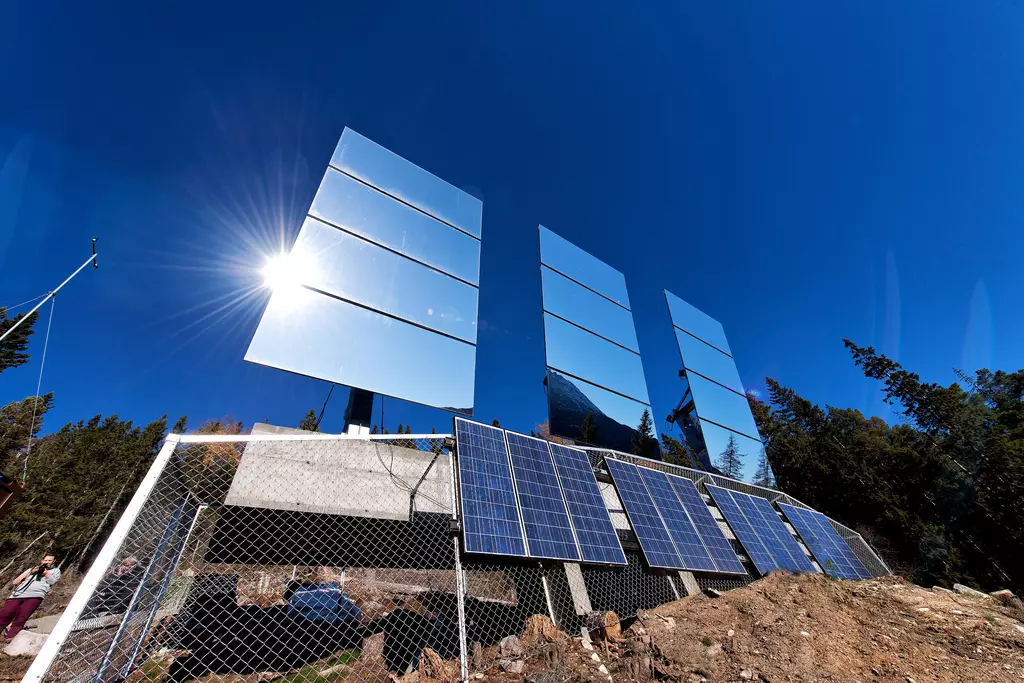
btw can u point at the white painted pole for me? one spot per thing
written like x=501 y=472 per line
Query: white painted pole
x=99 y=567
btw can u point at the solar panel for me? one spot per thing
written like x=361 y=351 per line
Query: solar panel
x=768 y=543
x=549 y=533
x=490 y=513
x=643 y=515
x=595 y=534
x=718 y=545
x=828 y=547
x=688 y=544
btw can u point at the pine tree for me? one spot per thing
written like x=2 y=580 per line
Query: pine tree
x=644 y=443
x=15 y=424
x=12 y=349
x=408 y=429
x=730 y=462
x=401 y=428
x=495 y=423
x=181 y=425
x=588 y=430
x=763 y=476
x=309 y=422
x=375 y=429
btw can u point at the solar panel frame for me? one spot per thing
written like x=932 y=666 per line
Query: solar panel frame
x=595 y=534
x=718 y=546
x=832 y=552
x=549 y=533
x=689 y=546
x=768 y=543
x=657 y=545
x=487 y=484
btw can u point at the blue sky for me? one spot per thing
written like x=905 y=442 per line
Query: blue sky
x=801 y=171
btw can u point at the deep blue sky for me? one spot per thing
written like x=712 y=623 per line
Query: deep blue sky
x=802 y=171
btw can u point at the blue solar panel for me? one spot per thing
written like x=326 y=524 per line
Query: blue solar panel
x=595 y=533
x=688 y=544
x=828 y=547
x=549 y=534
x=490 y=515
x=718 y=545
x=768 y=543
x=643 y=515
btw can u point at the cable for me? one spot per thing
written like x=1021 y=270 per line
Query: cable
x=39 y=384
x=11 y=308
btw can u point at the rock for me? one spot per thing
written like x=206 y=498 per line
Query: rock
x=510 y=648
x=602 y=669
x=731 y=633
x=922 y=609
x=432 y=666
x=1009 y=599
x=25 y=643
x=714 y=650
x=746 y=674
x=373 y=648
x=595 y=657
x=940 y=589
x=805 y=634
x=512 y=666
x=1019 y=627
x=965 y=590
x=477 y=676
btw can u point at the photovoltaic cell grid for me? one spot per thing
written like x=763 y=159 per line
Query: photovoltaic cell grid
x=768 y=543
x=690 y=548
x=490 y=514
x=549 y=534
x=595 y=533
x=828 y=547
x=718 y=545
x=643 y=515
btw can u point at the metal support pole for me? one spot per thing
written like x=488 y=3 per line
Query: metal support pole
x=460 y=577
x=91 y=259
x=44 y=660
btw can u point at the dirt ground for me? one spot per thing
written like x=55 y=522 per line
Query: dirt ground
x=812 y=628
x=781 y=628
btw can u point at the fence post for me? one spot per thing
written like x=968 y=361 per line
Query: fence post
x=98 y=570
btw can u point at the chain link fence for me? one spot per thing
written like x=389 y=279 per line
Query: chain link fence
x=330 y=558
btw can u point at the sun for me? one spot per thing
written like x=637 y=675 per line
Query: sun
x=285 y=275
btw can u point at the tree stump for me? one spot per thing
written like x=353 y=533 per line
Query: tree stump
x=604 y=626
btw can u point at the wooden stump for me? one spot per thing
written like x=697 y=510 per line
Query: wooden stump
x=604 y=626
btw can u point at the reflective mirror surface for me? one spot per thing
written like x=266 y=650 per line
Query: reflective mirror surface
x=354 y=269
x=577 y=264
x=708 y=361
x=570 y=400
x=568 y=300
x=389 y=172
x=716 y=439
x=580 y=353
x=722 y=406
x=316 y=335
x=699 y=324
x=360 y=209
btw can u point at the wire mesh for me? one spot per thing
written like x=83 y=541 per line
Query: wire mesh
x=330 y=559
x=327 y=559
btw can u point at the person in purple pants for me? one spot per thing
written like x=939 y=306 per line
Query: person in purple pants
x=30 y=588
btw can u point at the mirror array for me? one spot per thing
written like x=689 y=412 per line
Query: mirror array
x=597 y=392
x=671 y=525
x=392 y=252
x=714 y=407
x=768 y=542
x=828 y=547
x=524 y=497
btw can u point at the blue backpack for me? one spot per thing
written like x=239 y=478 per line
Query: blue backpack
x=324 y=602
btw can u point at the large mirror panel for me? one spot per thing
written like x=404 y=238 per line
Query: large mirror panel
x=362 y=210
x=720 y=405
x=580 y=353
x=373 y=164
x=352 y=268
x=696 y=322
x=708 y=361
x=613 y=418
x=575 y=303
x=316 y=335
x=577 y=264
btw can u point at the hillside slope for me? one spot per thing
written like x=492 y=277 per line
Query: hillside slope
x=812 y=628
